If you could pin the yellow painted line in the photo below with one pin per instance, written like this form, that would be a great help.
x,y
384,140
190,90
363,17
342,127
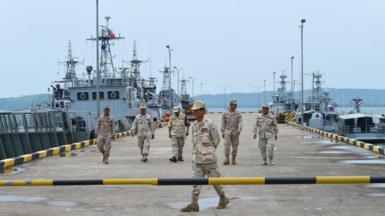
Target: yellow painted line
x,y
26,182
237,181
342,179
67,148
27,158
137,181
9,162
350,141
55,150
42,154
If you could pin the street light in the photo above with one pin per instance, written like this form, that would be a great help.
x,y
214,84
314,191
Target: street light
x,y
177,70
169,67
301,26
192,87
291,83
224,94
97,61
264,91
258,88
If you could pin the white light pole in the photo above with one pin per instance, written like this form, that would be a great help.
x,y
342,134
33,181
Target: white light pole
x,y
264,91
301,26
192,87
169,67
224,94
97,61
291,83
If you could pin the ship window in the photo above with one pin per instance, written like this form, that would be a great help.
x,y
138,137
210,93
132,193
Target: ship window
x,y
101,95
113,94
82,95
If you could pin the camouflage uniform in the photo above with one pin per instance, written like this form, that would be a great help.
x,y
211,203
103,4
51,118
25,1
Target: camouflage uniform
x,y
178,125
266,128
231,127
105,133
205,139
144,130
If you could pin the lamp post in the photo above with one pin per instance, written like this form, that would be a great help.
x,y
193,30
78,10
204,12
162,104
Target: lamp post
x,y
192,87
224,95
264,91
291,83
301,26
177,70
97,61
169,67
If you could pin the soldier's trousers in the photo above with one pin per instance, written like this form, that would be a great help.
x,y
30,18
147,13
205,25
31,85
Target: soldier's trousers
x,y
202,170
144,144
177,144
104,145
231,141
266,144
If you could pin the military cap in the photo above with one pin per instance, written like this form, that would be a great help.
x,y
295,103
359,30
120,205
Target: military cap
x,y
106,107
198,105
265,106
233,102
175,109
143,106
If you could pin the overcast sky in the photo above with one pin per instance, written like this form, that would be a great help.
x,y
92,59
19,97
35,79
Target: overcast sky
x,y
218,42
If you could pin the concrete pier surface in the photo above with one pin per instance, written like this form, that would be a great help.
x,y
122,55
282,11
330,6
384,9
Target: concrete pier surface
x,y
298,154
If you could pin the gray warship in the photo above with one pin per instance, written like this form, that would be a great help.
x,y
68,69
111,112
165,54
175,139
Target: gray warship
x,y
123,88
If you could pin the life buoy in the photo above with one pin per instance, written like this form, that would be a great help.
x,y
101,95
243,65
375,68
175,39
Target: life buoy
x,y
82,96
113,95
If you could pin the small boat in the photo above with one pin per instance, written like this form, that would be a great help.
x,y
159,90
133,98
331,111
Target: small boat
x,y
361,127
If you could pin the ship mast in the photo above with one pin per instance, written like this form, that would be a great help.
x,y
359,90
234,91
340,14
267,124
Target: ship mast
x,y
70,64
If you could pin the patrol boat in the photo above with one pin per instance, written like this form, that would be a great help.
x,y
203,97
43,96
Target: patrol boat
x,y
123,90
361,126
283,101
319,102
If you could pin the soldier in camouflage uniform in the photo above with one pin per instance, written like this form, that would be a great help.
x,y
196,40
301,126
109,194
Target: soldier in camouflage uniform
x,y
144,130
205,139
231,128
178,128
105,131
266,127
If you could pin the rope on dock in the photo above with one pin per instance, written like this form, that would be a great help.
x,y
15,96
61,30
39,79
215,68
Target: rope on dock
x,y
364,145
22,159
202,181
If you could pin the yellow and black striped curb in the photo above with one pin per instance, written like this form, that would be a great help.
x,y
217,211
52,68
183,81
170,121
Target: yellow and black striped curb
x,y
22,159
364,145
202,181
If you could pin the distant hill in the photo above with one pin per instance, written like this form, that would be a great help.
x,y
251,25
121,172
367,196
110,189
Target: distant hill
x,y
343,98
23,102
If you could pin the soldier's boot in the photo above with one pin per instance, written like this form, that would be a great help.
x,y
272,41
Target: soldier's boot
x,y
180,158
142,158
270,162
105,158
223,201
227,160
145,158
233,161
192,207
264,162
173,159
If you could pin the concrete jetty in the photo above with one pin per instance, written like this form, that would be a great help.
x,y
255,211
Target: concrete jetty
x,y
298,153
